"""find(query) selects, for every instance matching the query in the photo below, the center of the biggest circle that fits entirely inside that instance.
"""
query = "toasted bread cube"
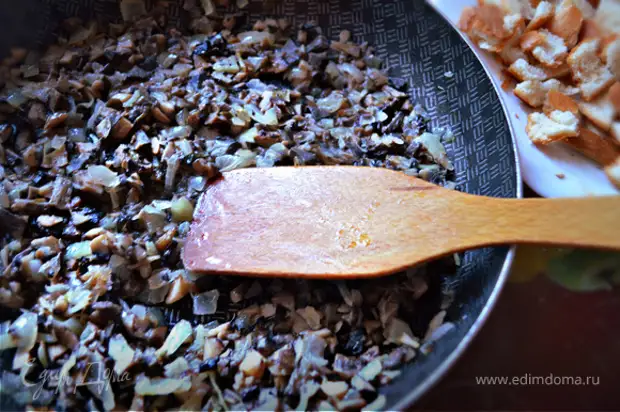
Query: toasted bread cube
(545, 46)
(585, 7)
(615, 131)
(612, 171)
(513, 24)
(588, 70)
(598, 148)
(510, 51)
(608, 44)
(590, 30)
(510, 54)
(557, 100)
(522, 7)
(531, 39)
(557, 72)
(607, 16)
(600, 112)
(566, 22)
(543, 13)
(533, 92)
(614, 97)
(611, 56)
(490, 26)
(543, 129)
(523, 70)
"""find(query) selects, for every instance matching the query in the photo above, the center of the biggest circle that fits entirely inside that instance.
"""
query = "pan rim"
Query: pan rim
(440, 372)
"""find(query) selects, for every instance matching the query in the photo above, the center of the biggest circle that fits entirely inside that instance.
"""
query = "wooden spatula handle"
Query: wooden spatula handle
(580, 222)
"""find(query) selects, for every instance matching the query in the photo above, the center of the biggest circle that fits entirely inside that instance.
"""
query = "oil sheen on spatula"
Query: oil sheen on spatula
(344, 221)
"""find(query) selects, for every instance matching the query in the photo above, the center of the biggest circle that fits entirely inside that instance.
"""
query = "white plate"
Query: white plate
(540, 168)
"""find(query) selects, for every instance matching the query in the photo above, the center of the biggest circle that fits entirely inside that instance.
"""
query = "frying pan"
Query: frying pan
(443, 74)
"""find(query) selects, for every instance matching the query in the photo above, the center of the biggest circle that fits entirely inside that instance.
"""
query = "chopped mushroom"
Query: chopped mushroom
(107, 143)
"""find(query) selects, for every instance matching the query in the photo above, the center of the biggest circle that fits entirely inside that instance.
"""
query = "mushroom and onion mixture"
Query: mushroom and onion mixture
(109, 137)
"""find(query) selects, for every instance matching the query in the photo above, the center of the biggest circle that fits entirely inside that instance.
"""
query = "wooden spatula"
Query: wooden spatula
(355, 222)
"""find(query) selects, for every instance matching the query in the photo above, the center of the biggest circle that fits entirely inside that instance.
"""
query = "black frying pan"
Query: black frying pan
(420, 47)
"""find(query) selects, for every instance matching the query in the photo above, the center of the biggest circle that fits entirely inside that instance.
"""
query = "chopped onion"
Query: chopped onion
(103, 176)
(121, 352)
(16, 99)
(331, 103)
(177, 132)
(182, 210)
(269, 118)
(179, 334)
(353, 71)
(435, 148)
(92, 120)
(152, 217)
(161, 386)
(227, 65)
(78, 250)
(248, 136)
(22, 334)
(206, 303)
(174, 162)
(256, 37)
(243, 158)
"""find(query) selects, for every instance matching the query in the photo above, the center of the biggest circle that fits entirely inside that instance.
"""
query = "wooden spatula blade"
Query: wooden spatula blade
(344, 222)
(314, 222)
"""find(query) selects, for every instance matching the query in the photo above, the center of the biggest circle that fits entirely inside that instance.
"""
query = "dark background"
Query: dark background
(539, 328)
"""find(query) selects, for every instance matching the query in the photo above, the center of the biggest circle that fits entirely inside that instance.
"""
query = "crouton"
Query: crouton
(489, 26)
(614, 96)
(608, 43)
(533, 92)
(522, 70)
(598, 148)
(511, 54)
(611, 56)
(557, 100)
(545, 47)
(615, 132)
(510, 51)
(600, 112)
(521, 7)
(466, 20)
(543, 13)
(543, 129)
(558, 72)
(513, 24)
(565, 89)
(566, 22)
(531, 39)
(586, 8)
(607, 16)
(589, 30)
(612, 171)
(592, 76)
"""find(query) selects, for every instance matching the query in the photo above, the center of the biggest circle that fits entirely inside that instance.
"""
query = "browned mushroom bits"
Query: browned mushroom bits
(107, 141)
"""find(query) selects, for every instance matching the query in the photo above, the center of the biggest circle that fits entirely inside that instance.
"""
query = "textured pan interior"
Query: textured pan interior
(419, 47)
